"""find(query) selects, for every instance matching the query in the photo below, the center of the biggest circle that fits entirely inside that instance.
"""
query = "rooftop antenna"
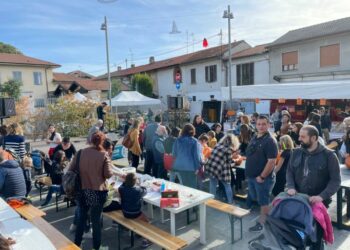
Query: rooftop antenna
(174, 29)
(131, 56)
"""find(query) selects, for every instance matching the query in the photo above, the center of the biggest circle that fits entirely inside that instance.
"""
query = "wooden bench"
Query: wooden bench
(147, 231)
(60, 241)
(234, 213)
(29, 212)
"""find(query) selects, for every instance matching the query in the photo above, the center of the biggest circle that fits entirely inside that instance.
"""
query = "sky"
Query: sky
(68, 32)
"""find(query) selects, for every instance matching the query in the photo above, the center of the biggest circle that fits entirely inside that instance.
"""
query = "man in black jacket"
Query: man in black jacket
(101, 113)
(326, 124)
(313, 170)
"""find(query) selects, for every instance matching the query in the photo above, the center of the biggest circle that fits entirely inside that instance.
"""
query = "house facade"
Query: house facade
(315, 53)
(35, 75)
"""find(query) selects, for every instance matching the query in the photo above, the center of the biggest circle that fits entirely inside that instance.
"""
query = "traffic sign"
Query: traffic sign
(177, 85)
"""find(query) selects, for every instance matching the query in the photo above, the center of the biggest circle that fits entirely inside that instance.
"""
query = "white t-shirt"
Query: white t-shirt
(57, 137)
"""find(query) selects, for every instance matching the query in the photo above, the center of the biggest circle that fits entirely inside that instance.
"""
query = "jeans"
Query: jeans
(173, 176)
(228, 190)
(161, 173)
(95, 215)
(188, 178)
(53, 189)
(260, 192)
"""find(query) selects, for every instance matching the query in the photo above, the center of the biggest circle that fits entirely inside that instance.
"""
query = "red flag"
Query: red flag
(205, 43)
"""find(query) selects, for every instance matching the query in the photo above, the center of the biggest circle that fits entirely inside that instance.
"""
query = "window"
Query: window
(330, 55)
(290, 61)
(210, 73)
(39, 103)
(37, 78)
(17, 76)
(193, 76)
(245, 74)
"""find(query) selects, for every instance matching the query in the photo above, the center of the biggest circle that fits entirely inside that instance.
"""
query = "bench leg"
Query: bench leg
(232, 222)
(241, 222)
(132, 239)
(56, 201)
(119, 234)
(40, 190)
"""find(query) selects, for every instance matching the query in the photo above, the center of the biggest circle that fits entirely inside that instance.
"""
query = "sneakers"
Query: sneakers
(88, 235)
(257, 228)
(72, 228)
(254, 245)
(101, 248)
(145, 243)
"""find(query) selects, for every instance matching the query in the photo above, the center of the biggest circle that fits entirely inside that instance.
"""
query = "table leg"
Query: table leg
(172, 224)
(150, 210)
(202, 223)
(162, 215)
(339, 208)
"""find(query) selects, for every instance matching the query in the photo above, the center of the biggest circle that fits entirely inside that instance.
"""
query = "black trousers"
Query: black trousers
(318, 245)
(135, 159)
(148, 162)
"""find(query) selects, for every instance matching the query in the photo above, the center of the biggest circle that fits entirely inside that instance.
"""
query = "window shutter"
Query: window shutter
(330, 55)
(290, 58)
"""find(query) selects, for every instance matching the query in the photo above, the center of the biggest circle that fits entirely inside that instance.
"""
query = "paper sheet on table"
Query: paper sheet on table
(26, 235)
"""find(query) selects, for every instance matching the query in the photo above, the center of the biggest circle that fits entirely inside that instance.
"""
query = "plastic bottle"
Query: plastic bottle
(162, 187)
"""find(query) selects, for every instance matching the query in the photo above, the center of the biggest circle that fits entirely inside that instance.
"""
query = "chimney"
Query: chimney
(151, 59)
(133, 65)
(119, 68)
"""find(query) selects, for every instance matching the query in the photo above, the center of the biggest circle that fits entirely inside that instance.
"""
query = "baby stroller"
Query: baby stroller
(289, 225)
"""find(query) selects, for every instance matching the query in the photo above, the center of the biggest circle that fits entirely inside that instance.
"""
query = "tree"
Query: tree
(116, 87)
(7, 48)
(143, 83)
(11, 88)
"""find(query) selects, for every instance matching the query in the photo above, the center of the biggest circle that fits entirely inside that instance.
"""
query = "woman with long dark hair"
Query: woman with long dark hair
(95, 168)
(200, 126)
(58, 165)
(53, 139)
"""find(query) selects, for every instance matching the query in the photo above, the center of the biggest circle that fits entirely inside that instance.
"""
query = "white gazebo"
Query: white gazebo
(134, 99)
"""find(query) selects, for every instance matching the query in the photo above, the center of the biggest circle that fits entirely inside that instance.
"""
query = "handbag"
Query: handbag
(127, 141)
(46, 180)
(71, 180)
(168, 161)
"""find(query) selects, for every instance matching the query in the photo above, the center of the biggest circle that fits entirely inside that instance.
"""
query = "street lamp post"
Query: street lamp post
(228, 14)
(105, 28)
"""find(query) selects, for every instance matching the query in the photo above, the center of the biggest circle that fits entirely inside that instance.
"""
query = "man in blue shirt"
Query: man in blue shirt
(261, 157)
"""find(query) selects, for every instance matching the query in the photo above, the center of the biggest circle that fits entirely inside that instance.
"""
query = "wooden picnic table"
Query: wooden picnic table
(29, 212)
(60, 241)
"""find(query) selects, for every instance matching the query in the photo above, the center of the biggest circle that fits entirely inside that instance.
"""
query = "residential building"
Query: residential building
(34, 74)
(66, 83)
(202, 71)
(81, 74)
(313, 53)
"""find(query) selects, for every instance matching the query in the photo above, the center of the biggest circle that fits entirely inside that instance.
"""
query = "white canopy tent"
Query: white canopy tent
(79, 97)
(133, 98)
(303, 90)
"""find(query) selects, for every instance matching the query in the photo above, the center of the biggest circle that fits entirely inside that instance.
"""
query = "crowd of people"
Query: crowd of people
(293, 159)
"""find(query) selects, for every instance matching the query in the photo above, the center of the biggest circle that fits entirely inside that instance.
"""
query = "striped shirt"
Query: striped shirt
(16, 142)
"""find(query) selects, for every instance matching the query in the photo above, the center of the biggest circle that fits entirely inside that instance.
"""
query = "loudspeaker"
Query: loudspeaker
(7, 107)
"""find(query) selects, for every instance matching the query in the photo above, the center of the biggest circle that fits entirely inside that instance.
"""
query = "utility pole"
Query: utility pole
(105, 28)
(228, 14)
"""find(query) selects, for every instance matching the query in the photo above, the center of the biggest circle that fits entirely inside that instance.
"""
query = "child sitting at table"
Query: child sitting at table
(206, 152)
(131, 198)
(212, 139)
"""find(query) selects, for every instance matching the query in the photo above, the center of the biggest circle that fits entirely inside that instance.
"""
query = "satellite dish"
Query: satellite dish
(174, 29)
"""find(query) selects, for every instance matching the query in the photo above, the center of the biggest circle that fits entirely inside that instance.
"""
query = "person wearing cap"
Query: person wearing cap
(101, 113)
